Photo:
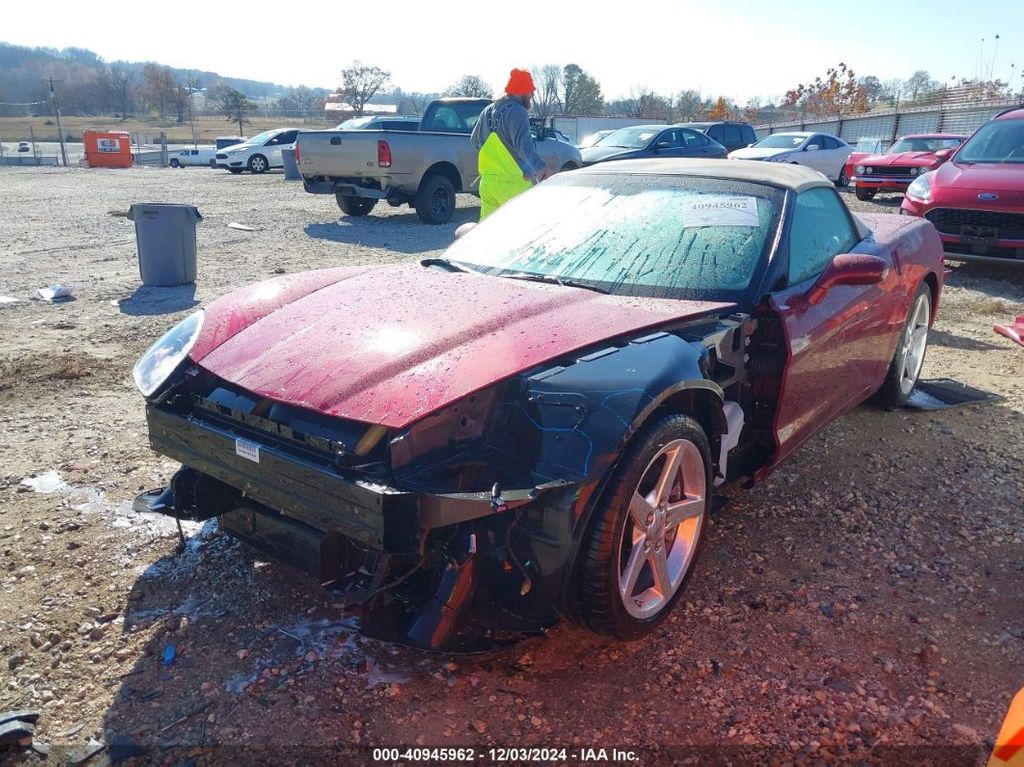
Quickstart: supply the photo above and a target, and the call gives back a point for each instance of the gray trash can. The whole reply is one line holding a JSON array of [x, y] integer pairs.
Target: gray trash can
[[291, 169], [165, 235]]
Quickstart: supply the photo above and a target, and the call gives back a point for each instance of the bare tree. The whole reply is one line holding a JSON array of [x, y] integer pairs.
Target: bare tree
[[232, 103], [548, 80], [470, 85], [160, 86], [360, 83], [920, 84], [688, 105]]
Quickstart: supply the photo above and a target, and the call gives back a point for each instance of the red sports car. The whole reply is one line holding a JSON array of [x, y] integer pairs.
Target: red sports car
[[976, 200], [906, 159], [533, 424]]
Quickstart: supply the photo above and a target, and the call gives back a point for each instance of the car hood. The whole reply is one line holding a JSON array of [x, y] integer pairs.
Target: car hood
[[903, 158], [390, 345], [981, 177], [598, 153], [757, 153]]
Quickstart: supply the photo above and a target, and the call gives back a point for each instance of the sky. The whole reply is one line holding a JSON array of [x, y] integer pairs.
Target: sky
[[739, 49]]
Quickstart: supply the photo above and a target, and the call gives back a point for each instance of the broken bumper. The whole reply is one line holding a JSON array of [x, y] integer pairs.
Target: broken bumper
[[377, 517]]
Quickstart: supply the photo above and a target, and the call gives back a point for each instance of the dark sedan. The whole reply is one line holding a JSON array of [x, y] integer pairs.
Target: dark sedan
[[648, 141]]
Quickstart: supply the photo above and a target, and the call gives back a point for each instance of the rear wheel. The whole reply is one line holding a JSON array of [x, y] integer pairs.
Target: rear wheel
[[258, 164], [865, 194], [905, 368], [174, 163], [435, 199], [639, 549], [843, 179], [354, 206]]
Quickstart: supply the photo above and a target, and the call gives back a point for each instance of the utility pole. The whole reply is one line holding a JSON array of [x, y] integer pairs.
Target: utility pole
[[60, 128]]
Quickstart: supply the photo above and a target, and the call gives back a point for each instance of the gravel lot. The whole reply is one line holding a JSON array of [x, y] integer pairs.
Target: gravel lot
[[865, 601]]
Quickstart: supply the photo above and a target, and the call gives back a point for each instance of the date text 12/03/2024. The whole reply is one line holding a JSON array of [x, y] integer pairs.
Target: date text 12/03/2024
[[503, 754]]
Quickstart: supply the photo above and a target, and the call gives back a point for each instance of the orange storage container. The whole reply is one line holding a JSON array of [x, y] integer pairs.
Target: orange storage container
[[108, 149]]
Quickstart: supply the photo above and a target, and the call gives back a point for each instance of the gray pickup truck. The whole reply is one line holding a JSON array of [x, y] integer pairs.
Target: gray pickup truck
[[424, 169]]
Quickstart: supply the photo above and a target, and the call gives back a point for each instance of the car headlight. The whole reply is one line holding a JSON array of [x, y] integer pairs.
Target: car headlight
[[915, 171], [162, 358], [869, 169], [920, 188], [859, 170]]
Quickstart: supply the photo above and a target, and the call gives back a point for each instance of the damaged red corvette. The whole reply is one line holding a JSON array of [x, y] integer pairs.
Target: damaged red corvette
[[532, 425]]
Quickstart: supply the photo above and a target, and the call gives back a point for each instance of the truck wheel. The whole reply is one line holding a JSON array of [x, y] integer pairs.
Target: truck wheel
[[354, 206], [174, 163], [435, 199], [864, 194], [258, 163]]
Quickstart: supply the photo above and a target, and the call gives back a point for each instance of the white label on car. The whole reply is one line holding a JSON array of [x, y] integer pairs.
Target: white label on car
[[720, 210], [248, 450]]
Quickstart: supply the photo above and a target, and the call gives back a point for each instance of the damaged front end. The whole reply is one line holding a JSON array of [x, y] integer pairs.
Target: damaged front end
[[459, 527]]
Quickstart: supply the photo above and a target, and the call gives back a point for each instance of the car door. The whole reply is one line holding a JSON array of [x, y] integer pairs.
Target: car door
[[835, 349], [696, 144], [815, 158], [282, 141], [834, 156], [668, 143]]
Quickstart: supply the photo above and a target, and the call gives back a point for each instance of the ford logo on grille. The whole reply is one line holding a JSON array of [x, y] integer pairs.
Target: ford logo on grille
[[988, 196]]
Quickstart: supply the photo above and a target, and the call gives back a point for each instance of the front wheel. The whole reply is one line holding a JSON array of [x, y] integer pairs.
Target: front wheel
[[354, 206], [639, 549], [435, 199], [907, 361], [865, 194], [258, 164]]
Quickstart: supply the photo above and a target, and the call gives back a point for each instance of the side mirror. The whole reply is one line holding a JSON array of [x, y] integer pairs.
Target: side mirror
[[812, 148], [848, 269], [944, 154], [464, 229], [663, 145]]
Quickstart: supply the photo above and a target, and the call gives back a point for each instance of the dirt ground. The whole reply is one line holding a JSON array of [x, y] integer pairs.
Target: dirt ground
[[865, 602]]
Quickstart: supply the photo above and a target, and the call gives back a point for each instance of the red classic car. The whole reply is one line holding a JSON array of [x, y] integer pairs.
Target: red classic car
[[976, 200], [906, 159], [532, 425]]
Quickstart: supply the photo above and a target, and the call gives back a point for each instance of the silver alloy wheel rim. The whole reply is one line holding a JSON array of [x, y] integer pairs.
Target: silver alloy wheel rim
[[257, 164], [915, 341], [659, 538]]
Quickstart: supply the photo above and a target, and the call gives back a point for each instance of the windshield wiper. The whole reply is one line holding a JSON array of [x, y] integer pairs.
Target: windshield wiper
[[444, 263], [552, 280]]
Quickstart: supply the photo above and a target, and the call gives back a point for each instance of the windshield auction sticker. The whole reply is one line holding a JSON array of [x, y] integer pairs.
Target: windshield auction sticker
[[719, 210]]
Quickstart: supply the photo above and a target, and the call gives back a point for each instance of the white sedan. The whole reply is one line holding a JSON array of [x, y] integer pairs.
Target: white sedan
[[260, 153], [821, 151], [198, 156]]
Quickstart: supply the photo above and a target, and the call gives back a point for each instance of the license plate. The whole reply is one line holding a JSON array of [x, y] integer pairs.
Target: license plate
[[248, 450]]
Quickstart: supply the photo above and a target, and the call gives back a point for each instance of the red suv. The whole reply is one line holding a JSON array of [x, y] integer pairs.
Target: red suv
[[976, 200]]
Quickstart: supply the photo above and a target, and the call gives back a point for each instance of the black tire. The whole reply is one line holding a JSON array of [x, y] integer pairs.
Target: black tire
[[435, 199], [354, 206], [174, 163], [865, 194], [843, 180], [258, 164], [570, 166], [897, 387], [236, 171], [600, 603]]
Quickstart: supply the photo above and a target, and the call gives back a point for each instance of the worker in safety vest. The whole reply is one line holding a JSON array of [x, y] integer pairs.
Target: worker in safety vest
[[508, 161]]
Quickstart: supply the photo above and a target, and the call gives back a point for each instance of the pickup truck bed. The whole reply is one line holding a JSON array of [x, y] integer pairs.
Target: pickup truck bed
[[424, 169]]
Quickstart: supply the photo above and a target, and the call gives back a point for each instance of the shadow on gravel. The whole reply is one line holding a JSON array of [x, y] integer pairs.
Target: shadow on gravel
[[147, 301], [952, 341], [230, 641], [402, 232]]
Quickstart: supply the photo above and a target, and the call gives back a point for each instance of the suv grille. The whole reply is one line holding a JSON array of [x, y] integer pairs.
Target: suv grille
[[1010, 226]]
